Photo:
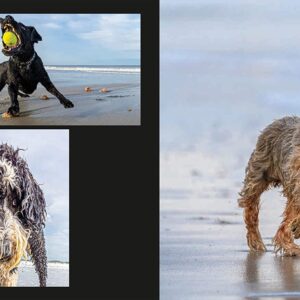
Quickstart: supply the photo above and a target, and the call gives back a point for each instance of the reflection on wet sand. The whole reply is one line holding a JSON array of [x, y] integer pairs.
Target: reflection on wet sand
[[251, 274], [278, 278]]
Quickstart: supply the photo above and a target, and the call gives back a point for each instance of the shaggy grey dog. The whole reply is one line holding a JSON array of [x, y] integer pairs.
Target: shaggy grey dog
[[22, 218], [274, 162]]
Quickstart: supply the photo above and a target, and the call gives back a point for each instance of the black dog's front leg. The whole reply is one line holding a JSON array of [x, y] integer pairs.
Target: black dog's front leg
[[46, 82], [13, 94]]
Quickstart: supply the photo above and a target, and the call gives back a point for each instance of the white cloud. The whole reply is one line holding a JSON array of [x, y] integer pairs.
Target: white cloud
[[52, 25], [116, 31]]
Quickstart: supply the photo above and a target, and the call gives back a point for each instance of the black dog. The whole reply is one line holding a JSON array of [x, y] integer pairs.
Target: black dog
[[25, 69]]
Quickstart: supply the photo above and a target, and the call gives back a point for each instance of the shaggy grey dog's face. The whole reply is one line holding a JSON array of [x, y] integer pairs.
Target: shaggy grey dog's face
[[9, 223], [22, 218]]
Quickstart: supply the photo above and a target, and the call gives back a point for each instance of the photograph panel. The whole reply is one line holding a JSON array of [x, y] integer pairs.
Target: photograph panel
[[34, 208], [70, 69], [229, 201]]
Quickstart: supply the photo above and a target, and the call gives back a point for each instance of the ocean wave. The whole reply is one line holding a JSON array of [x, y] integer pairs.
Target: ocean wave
[[55, 265], [124, 70]]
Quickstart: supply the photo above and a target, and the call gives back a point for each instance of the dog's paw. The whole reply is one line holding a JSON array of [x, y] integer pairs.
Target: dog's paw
[[23, 95], [67, 104], [257, 247], [255, 242], [11, 112], [295, 228], [292, 251], [14, 111]]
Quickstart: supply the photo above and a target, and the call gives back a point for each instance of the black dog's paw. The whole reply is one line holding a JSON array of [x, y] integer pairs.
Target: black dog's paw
[[23, 95], [67, 104], [14, 111]]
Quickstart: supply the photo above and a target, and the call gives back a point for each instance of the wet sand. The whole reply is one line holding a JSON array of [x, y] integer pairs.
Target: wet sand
[[58, 275], [203, 250], [120, 106]]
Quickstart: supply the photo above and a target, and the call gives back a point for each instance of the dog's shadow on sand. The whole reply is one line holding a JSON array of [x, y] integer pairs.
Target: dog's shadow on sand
[[278, 277]]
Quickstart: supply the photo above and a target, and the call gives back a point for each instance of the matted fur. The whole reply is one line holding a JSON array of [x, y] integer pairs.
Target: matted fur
[[274, 162], [23, 215], [19, 237]]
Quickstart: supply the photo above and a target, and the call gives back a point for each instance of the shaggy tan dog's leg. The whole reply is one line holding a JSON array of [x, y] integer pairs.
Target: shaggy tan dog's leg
[[254, 239], [295, 227], [250, 202], [284, 239]]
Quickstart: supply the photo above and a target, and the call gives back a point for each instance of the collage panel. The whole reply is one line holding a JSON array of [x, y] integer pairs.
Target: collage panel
[[70, 69], [34, 208]]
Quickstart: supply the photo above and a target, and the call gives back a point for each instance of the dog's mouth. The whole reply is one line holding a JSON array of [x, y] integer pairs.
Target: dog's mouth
[[7, 49]]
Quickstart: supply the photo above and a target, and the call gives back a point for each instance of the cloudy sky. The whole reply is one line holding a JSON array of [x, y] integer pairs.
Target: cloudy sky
[[207, 49], [47, 154], [86, 39], [191, 29]]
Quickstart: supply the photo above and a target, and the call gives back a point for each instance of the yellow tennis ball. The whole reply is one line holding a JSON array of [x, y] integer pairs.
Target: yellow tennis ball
[[9, 38]]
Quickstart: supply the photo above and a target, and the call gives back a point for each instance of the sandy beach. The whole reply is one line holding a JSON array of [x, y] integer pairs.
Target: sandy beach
[[58, 275], [119, 106]]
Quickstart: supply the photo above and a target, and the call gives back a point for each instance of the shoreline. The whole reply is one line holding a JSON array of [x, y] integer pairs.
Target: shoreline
[[58, 275]]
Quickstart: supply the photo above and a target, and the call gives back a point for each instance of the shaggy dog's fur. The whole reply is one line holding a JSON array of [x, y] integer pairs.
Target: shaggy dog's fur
[[274, 162], [22, 218]]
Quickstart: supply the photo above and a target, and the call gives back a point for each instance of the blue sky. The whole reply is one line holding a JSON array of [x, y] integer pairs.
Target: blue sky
[[85, 39], [47, 155]]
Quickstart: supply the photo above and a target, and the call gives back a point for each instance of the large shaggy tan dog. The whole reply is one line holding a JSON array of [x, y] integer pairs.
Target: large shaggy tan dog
[[274, 162]]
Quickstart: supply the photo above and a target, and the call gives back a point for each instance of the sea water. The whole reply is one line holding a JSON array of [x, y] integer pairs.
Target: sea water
[[73, 75], [58, 274]]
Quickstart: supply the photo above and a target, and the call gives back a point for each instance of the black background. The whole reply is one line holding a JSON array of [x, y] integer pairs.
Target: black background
[[114, 180]]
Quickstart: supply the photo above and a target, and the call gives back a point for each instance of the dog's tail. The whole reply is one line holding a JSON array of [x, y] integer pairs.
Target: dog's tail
[[23, 95]]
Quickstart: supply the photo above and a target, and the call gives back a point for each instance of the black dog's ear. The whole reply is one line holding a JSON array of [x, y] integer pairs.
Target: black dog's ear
[[35, 36], [31, 199], [1, 20]]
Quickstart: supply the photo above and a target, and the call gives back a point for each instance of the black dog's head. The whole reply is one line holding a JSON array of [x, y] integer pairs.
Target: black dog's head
[[26, 37]]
